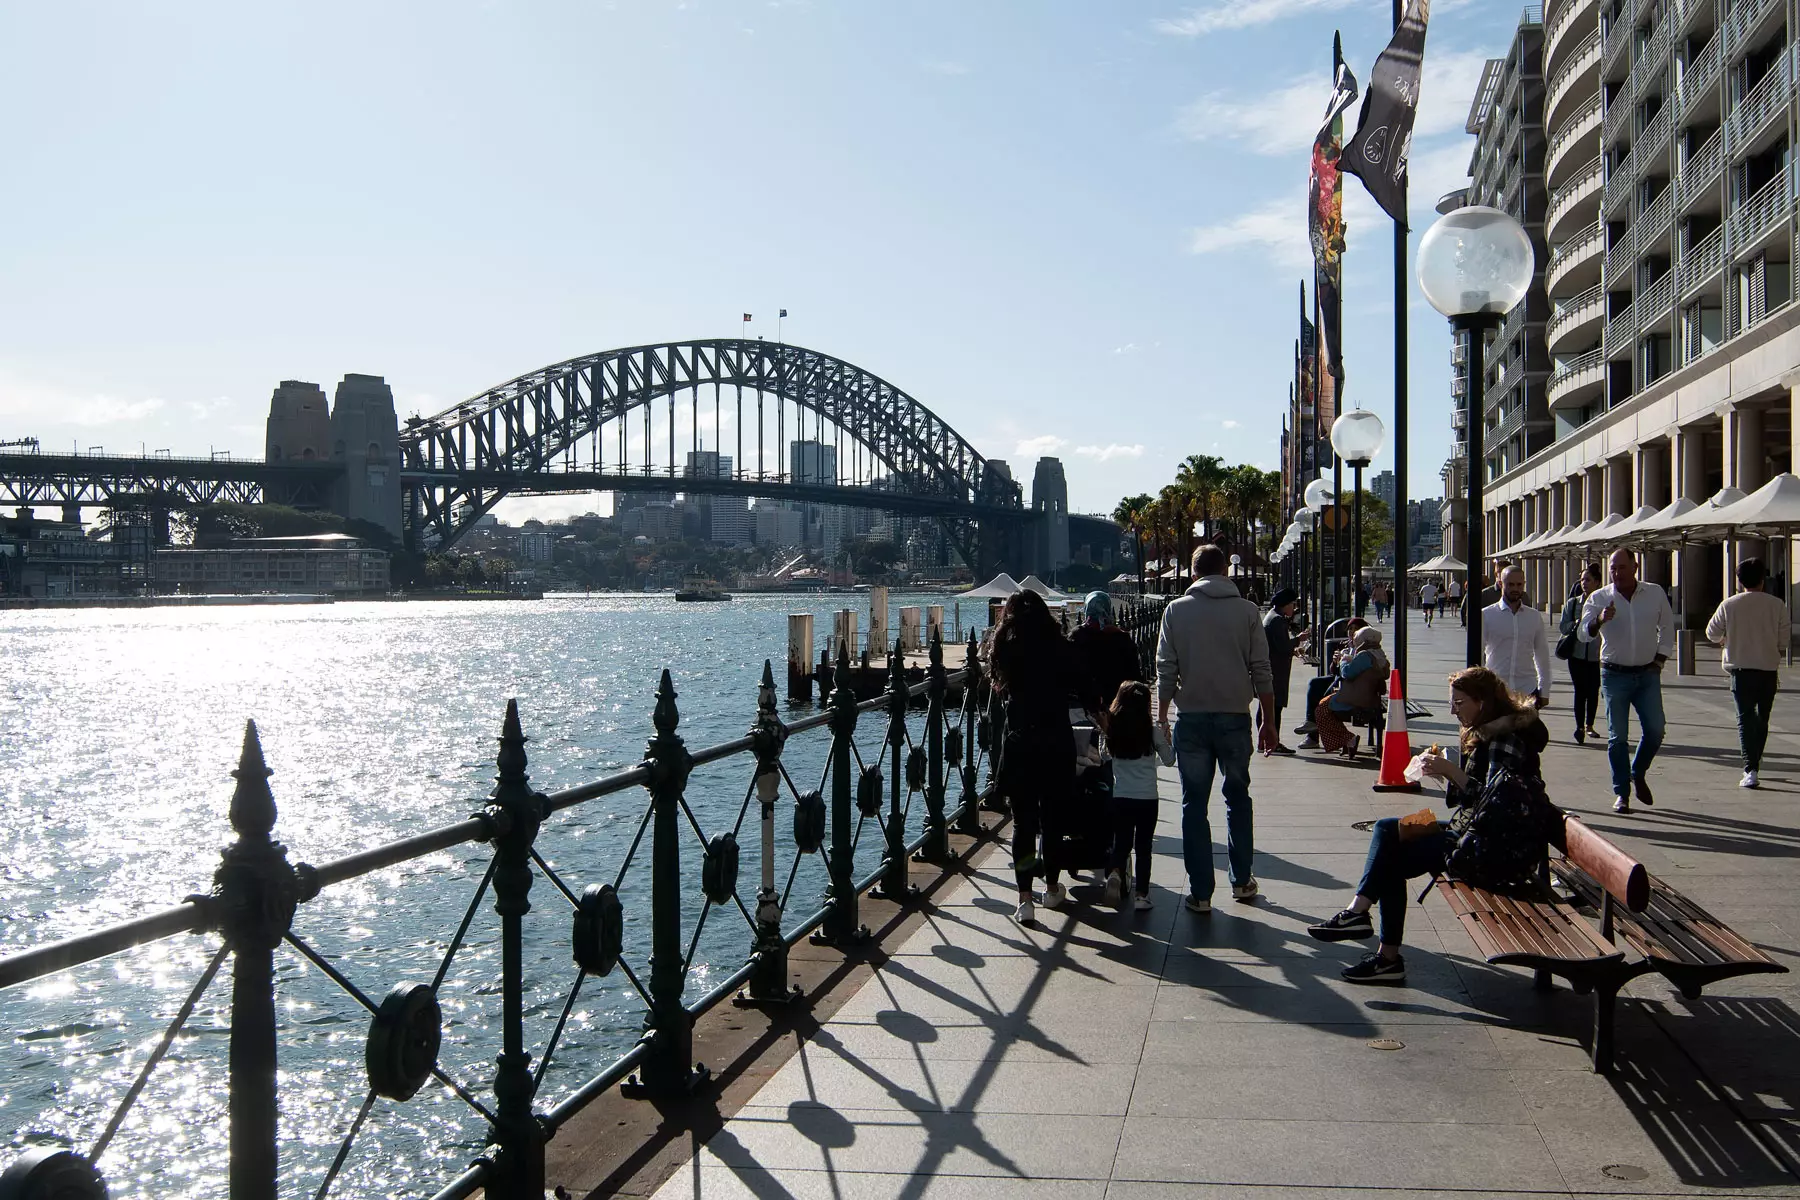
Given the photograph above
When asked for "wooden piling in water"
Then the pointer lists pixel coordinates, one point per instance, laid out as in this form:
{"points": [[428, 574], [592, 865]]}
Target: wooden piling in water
{"points": [[878, 619], [799, 657], [909, 629]]}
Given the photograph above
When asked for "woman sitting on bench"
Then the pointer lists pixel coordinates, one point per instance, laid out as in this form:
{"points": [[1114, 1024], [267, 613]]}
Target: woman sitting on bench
{"points": [[1499, 729], [1362, 679]]}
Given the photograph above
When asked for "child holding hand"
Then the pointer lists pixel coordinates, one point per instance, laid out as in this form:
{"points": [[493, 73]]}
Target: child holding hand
{"points": [[1137, 745]]}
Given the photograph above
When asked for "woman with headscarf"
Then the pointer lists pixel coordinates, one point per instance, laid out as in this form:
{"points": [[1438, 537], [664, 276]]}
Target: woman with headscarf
{"points": [[1360, 681], [1036, 678], [1105, 656]]}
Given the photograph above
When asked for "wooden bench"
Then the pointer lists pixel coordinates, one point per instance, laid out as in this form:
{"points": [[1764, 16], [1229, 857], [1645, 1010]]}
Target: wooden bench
{"points": [[1672, 935]]}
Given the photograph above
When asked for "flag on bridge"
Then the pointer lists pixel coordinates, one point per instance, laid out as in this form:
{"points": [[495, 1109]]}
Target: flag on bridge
{"points": [[1377, 153], [782, 313], [746, 318]]}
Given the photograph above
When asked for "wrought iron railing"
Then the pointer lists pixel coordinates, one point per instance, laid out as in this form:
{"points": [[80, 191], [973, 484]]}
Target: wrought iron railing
{"points": [[258, 893]]}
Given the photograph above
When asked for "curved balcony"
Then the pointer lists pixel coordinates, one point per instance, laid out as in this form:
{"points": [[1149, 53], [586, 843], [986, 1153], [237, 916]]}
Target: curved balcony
{"points": [[1576, 263], [1576, 134], [1575, 82], [1577, 16], [1575, 203], [1576, 381], [1576, 322]]}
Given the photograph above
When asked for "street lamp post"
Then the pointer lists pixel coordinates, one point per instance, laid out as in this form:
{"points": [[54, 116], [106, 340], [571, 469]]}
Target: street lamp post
{"points": [[1356, 436], [1475, 264], [1317, 492]]}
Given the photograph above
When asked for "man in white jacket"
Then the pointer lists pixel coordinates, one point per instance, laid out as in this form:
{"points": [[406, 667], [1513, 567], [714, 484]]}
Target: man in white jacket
{"points": [[1753, 627]]}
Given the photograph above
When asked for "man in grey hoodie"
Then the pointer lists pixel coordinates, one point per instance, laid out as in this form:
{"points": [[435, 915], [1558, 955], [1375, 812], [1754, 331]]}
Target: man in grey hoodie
{"points": [[1212, 657]]}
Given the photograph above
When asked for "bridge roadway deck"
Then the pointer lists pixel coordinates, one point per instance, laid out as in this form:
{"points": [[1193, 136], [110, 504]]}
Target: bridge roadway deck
{"points": [[1169, 1056]]}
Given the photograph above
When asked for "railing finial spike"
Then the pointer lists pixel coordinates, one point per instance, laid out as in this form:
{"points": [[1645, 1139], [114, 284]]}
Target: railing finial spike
{"points": [[252, 803], [667, 716]]}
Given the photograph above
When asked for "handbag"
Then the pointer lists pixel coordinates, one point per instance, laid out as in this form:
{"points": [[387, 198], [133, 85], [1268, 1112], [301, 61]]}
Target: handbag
{"points": [[1565, 645], [1503, 842]]}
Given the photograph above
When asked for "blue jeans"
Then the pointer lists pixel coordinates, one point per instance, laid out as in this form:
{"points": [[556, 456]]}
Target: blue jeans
{"points": [[1624, 691], [1203, 742], [1390, 864]]}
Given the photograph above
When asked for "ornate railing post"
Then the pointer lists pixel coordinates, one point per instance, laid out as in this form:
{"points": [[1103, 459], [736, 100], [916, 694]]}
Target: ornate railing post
{"points": [[841, 927], [936, 848], [769, 981], [514, 813], [255, 892], [895, 884], [968, 814], [668, 1071]]}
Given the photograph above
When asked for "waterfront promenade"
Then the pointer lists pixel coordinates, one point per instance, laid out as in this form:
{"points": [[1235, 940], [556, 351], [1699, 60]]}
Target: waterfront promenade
{"points": [[1170, 1056]]}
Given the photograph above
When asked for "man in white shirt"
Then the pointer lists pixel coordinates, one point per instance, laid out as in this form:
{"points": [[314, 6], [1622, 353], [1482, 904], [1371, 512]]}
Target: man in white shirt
{"points": [[1428, 595], [1453, 594], [1753, 627], [1636, 631], [1514, 643]]}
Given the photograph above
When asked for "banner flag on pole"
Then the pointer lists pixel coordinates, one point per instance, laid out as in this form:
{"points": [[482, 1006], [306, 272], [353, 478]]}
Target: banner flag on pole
{"points": [[746, 318], [1325, 210], [1378, 152], [782, 313]]}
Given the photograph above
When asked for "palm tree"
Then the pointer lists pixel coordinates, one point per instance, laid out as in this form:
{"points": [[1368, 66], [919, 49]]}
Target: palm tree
{"points": [[1130, 517], [1202, 476]]}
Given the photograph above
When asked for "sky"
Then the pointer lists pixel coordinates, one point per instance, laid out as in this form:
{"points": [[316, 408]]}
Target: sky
{"points": [[1071, 228]]}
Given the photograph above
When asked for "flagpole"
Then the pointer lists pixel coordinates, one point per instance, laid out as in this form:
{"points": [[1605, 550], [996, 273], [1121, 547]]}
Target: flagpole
{"points": [[1401, 540]]}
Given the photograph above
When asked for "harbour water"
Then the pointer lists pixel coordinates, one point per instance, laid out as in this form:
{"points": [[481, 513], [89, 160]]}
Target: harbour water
{"points": [[117, 736]]}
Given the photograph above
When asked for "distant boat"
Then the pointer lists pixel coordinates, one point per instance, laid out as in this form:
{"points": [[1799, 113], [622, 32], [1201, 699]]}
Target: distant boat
{"points": [[696, 590]]}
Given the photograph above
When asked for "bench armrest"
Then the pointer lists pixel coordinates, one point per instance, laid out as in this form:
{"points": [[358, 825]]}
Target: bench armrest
{"points": [[1621, 875]]}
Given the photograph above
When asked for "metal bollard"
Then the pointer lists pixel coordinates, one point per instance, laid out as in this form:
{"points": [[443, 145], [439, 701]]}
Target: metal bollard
{"points": [[968, 814], [769, 981], [1684, 652]]}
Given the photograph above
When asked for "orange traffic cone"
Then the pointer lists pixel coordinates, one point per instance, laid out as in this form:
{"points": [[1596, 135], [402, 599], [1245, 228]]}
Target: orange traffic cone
{"points": [[1396, 750]]}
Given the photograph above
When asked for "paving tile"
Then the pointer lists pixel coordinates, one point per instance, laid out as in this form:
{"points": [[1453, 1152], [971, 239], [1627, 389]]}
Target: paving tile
{"points": [[1702, 1148], [1078, 1039], [714, 1182], [1344, 1153], [813, 1137], [831, 1074], [1282, 1047], [1130, 1190], [1381, 1086]]}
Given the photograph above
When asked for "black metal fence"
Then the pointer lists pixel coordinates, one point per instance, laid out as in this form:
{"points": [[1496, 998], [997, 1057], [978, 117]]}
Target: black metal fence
{"points": [[257, 893]]}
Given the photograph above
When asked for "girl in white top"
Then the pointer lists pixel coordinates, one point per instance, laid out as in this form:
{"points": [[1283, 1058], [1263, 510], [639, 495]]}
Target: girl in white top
{"points": [[1137, 745]]}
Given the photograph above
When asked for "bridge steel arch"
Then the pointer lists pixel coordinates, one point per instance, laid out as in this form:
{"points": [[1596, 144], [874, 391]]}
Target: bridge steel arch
{"points": [[528, 435]]}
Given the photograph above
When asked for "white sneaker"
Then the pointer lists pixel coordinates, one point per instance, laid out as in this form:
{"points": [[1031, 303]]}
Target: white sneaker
{"points": [[1246, 892], [1115, 887], [1024, 914], [1141, 904], [1749, 780], [1054, 896], [1195, 904]]}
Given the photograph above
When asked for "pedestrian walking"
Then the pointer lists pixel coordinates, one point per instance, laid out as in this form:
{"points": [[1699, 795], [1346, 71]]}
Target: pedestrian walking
{"points": [[1753, 627], [1212, 658], [1636, 630], [1428, 598], [1036, 675], [1136, 746], [1453, 596], [1279, 628], [1583, 657], [1379, 596], [1514, 643]]}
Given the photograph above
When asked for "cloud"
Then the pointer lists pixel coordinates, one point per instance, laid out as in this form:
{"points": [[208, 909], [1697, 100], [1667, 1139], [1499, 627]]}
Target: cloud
{"points": [[110, 410], [1277, 227], [1229, 424], [1111, 451], [1048, 443], [1280, 122], [1243, 14], [1127, 348], [944, 67]]}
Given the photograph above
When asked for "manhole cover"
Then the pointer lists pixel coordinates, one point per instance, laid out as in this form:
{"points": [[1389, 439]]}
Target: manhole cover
{"points": [[1387, 1044], [1363, 826], [1624, 1171]]}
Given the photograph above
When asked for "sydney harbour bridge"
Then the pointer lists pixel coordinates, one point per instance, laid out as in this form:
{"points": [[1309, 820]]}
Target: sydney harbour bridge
{"points": [[718, 417]]}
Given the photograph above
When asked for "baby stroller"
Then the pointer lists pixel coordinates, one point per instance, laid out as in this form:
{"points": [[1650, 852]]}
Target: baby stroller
{"points": [[1084, 837]]}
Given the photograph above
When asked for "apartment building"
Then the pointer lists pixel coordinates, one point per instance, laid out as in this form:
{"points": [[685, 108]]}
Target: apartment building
{"points": [[1506, 171], [1669, 225]]}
